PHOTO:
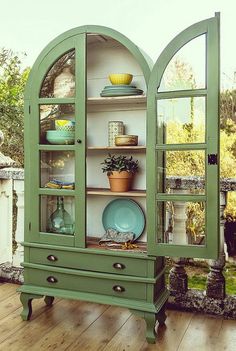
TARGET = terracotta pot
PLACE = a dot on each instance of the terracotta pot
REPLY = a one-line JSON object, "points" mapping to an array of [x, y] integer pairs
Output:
{"points": [[120, 181]]}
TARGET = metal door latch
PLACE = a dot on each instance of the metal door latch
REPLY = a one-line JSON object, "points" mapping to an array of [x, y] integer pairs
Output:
{"points": [[212, 159]]}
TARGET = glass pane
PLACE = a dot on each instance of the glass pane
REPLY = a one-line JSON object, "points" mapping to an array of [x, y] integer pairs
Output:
{"points": [[59, 82], [187, 68], [57, 169], [57, 124], [57, 214], [181, 223], [182, 171], [181, 120]]}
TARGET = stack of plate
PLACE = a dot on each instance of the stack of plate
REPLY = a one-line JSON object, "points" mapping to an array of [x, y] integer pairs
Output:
{"points": [[120, 90]]}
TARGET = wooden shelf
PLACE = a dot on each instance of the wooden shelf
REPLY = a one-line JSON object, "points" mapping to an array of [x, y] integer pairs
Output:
{"points": [[138, 148], [56, 192], [56, 147], [131, 99], [108, 192], [117, 103], [93, 243]]}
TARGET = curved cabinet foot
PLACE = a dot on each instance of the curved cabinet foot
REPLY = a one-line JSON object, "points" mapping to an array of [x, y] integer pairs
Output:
{"points": [[49, 300], [161, 315], [150, 319], [26, 300]]}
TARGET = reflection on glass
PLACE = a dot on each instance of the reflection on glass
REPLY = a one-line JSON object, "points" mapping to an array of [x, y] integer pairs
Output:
{"points": [[181, 223], [57, 124], [181, 170], [181, 121], [57, 169], [57, 214], [187, 68], [59, 82]]}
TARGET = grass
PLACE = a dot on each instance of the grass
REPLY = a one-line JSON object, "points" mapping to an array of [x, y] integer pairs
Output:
{"points": [[230, 276], [197, 272]]}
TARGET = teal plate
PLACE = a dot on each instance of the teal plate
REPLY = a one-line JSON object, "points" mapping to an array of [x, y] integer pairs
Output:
{"points": [[124, 215], [121, 93], [120, 86]]}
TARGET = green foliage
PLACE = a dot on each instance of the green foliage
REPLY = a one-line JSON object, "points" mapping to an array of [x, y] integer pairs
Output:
{"points": [[230, 211], [184, 163], [230, 278], [12, 84], [179, 76], [228, 111], [119, 163], [227, 153], [195, 222], [191, 163]]}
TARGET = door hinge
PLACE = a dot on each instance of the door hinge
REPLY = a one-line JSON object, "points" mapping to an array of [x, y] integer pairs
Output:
{"points": [[29, 226], [29, 109], [212, 159]]}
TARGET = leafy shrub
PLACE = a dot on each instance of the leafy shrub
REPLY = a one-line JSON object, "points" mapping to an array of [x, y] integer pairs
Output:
{"points": [[12, 84]]}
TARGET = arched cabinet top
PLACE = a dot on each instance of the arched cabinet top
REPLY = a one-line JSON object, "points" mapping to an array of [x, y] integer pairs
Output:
{"points": [[183, 38], [66, 41]]}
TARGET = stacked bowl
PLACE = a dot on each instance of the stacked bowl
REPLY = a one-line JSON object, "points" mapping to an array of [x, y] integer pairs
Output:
{"points": [[64, 132], [120, 86]]}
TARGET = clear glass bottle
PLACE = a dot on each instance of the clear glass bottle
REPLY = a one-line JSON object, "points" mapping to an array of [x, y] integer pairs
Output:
{"points": [[60, 220]]}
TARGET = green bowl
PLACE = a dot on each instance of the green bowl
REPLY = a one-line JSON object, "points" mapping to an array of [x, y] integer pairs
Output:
{"points": [[60, 137], [60, 133]]}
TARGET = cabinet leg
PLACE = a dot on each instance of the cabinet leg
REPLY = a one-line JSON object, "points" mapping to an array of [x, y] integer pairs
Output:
{"points": [[161, 315], [49, 300], [150, 319], [26, 300]]}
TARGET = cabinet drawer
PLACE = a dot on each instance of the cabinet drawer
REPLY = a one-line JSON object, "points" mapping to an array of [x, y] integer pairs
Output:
{"points": [[96, 285], [90, 262]]}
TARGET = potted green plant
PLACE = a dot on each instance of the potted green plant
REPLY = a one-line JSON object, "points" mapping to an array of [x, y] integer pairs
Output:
{"points": [[120, 170]]}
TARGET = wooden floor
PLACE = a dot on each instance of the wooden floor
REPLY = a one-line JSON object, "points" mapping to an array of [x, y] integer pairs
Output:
{"points": [[76, 325]]}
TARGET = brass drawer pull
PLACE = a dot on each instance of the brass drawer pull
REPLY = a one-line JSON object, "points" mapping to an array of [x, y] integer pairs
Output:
{"points": [[52, 279], [118, 288], [52, 258], [119, 266]]}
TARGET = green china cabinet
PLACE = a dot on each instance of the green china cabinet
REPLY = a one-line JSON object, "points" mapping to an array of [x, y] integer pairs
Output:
{"points": [[66, 192]]}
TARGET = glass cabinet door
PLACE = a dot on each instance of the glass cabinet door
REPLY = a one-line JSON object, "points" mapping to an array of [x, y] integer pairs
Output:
{"points": [[57, 169], [183, 211], [55, 145]]}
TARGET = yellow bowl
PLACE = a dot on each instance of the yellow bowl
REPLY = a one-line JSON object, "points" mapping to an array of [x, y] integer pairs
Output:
{"points": [[64, 124], [120, 78]]}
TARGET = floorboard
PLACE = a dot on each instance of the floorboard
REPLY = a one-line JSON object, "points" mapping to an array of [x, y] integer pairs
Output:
{"points": [[77, 325]]}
